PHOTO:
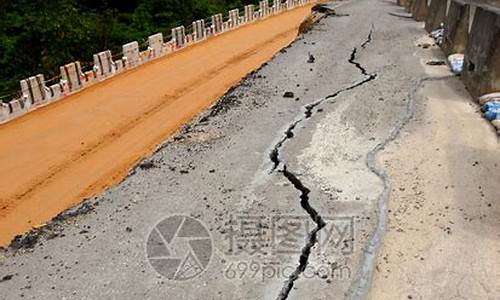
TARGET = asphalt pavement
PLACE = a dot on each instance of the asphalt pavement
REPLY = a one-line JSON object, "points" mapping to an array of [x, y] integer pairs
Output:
{"points": [[302, 182]]}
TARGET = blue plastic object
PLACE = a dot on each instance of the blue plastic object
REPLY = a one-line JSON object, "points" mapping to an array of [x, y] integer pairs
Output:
{"points": [[492, 114], [491, 105]]}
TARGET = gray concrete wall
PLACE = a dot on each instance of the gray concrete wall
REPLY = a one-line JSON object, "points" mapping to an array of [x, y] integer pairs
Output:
{"points": [[436, 14], [457, 28], [481, 73], [419, 9], [472, 27]]}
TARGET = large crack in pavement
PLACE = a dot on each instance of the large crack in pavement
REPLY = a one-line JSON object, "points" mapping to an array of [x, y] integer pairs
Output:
{"points": [[360, 287], [353, 61], [308, 109], [312, 237], [274, 156]]}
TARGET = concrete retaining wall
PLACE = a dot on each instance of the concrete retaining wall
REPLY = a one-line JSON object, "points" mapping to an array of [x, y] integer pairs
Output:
{"points": [[405, 3], [481, 73], [457, 28], [35, 93], [472, 27], [420, 9], [436, 14]]}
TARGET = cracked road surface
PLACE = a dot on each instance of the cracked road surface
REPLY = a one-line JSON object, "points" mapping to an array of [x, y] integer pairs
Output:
{"points": [[376, 180]]}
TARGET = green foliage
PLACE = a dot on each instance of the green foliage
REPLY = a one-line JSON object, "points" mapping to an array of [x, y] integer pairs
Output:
{"points": [[38, 36]]}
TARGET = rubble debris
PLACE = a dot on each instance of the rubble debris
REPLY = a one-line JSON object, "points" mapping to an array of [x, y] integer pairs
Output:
{"points": [[311, 59], [319, 11], [436, 63], [225, 103], [82, 209], [438, 34], [6, 278], [323, 9], [27, 241], [401, 15], [424, 45], [147, 165], [51, 230]]}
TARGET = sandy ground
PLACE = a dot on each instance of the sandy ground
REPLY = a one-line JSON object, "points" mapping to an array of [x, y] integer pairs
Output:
{"points": [[90, 141], [356, 146], [443, 238]]}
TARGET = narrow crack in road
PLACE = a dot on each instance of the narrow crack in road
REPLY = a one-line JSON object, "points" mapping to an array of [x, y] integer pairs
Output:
{"points": [[369, 39], [274, 156]]}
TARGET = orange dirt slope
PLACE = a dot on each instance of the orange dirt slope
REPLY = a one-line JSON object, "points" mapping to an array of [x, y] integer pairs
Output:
{"points": [[54, 157]]}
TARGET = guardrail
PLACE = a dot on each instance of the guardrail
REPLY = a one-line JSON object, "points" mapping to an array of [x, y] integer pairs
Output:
{"points": [[37, 92]]}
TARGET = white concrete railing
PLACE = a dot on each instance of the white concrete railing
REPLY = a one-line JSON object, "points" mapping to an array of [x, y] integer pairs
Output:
{"points": [[35, 93]]}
